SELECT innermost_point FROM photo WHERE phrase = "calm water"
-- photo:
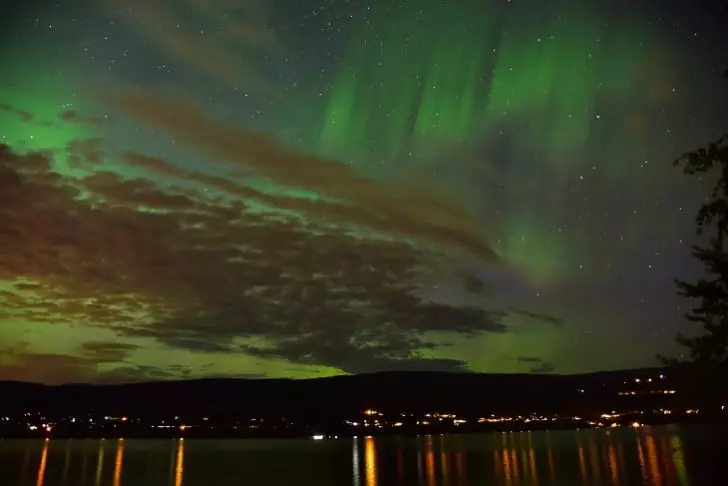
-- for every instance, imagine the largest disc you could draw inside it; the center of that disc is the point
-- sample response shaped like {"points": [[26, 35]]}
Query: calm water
{"points": [[651, 456]]}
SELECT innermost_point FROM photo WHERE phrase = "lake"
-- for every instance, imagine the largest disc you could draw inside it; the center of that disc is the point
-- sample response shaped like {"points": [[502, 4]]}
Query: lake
{"points": [[672, 455]]}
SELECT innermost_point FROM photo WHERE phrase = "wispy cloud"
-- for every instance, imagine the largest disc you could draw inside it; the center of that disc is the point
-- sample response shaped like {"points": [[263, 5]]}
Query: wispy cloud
{"points": [[410, 210], [210, 36]]}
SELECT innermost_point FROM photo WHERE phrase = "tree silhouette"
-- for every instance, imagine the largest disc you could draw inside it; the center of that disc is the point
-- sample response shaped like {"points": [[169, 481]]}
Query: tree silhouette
{"points": [[710, 346]]}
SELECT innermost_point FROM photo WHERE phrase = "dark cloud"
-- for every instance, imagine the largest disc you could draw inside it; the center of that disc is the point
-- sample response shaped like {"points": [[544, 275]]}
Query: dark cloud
{"points": [[74, 117], [538, 316], [96, 361], [85, 153], [410, 209], [209, 276], [23, 115], [536, 365]]}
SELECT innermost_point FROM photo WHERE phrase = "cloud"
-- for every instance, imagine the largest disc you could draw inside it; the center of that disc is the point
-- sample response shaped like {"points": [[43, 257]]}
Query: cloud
{"points": [[409, 210], [536, 365], [85, 153], [73, 116], [216, 37], [208, 275], [23, 115], [93, 361], [538, 316]]}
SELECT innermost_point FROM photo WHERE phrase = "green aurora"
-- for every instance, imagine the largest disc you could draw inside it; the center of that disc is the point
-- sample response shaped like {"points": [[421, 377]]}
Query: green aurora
{"points": [[549, 125]]}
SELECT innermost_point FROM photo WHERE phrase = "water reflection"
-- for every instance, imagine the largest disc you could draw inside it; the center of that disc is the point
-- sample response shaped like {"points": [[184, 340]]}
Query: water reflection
{"points": [[654, 467], [42, 466], [400, 464], [118, 462], [355, 463], [550, 456], [613, 463], [179, 465], [429, 462], [447, 475], [370, 462], [66, 463], [679, 460], [644, 457], [582, 461], [99, 464], [460, 466]]}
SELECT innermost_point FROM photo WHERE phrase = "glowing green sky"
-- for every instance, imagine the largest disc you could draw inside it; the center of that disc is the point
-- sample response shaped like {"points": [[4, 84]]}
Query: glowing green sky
{"points": [[258, 192]]}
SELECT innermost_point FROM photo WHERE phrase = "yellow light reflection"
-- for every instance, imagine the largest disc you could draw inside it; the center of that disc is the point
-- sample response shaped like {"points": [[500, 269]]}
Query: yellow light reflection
{"points": [[370, 462], [507, 470], [533, 472], [179, 466], [641, 457], [678, 459], [460, 467], [505, 459], [99, 463], [532, 466], [514, 463], [447, 472], [118, 462], [42, 466]]}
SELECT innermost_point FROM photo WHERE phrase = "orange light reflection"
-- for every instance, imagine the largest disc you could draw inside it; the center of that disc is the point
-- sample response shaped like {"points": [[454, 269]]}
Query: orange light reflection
{"points": [[118, 462], [429, 462], [654, 466], [179, 466], [613, 464], [42, 465], [582, 463], [552, 467], [594, 461]]}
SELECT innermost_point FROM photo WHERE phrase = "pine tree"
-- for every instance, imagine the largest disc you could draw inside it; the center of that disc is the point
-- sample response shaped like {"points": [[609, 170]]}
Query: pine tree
{"points": [[710, 347]]}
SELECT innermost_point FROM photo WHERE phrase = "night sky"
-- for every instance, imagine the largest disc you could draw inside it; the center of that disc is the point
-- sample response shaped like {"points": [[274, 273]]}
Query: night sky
{"points": [[256, 188]]}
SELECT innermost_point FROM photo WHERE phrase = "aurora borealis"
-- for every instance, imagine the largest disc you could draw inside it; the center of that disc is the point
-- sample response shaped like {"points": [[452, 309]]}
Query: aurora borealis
{"points": [[298, 189]]}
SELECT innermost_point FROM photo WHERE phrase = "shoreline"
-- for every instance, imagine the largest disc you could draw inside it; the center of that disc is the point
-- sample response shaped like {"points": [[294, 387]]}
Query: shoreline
{"points": [[331, 433]]}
